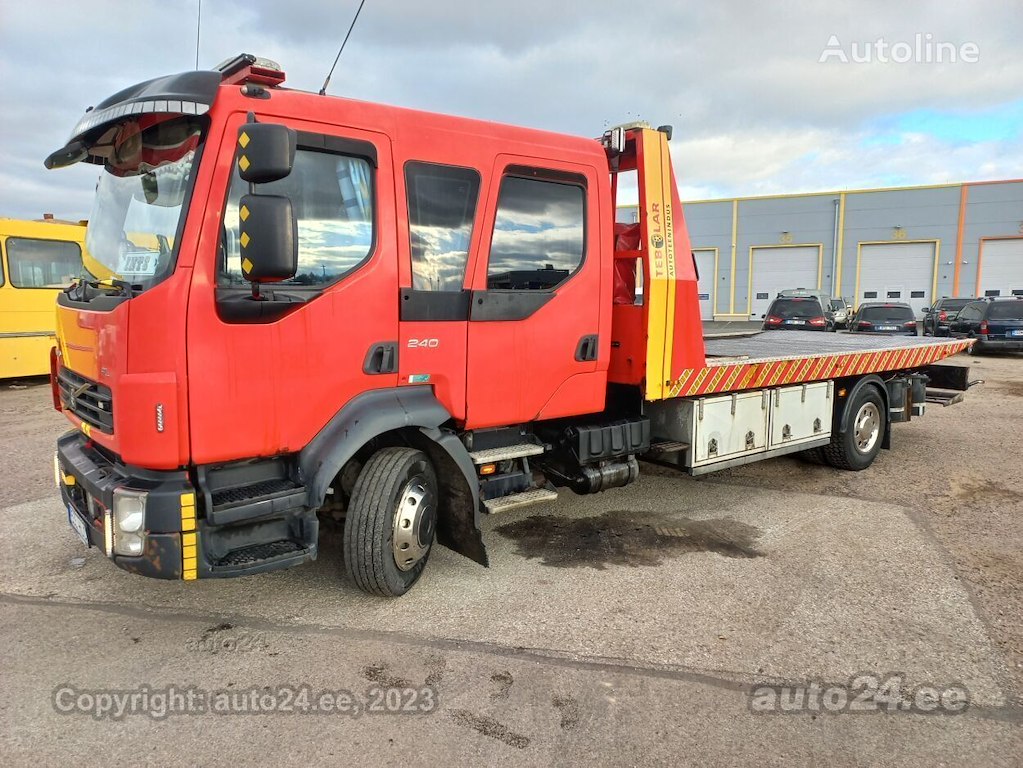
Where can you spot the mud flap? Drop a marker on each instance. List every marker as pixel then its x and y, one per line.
pixel 458 524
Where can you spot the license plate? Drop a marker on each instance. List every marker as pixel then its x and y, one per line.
pixel 887 327
pixel 795 322
pixel 1015 333
pixel 78 524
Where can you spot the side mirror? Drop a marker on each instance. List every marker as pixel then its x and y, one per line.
pixel 266 152
pixel 268 236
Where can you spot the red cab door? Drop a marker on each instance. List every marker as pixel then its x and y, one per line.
pixel 264 380
pixel 434 246
pixel 536 349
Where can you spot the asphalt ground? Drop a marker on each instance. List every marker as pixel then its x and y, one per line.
pixel 637 626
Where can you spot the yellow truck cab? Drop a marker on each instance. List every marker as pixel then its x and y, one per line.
pixel 38 259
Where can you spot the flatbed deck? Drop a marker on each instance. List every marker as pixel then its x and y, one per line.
pixel 777 358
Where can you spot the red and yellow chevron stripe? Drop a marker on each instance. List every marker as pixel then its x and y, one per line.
pixel 735 377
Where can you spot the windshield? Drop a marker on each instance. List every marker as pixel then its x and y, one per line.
pixel 894 314
pixel 796 308
pixel 140 198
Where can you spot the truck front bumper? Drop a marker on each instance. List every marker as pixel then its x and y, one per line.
pixel 173 542
pixel 88 479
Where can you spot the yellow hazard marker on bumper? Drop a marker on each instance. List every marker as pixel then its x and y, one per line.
pixel 189 538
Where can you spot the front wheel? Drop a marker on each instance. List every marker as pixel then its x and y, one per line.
pixel 391 521
pixel 859 445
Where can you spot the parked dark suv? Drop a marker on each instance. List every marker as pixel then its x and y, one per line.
pixel 803 313
pixel 996 324
pixel 893 318
pixel 941 313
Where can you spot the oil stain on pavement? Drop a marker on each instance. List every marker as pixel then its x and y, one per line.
pixel 626 538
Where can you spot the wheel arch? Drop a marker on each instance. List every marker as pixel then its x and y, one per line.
pixel 855 387
pixel 415 416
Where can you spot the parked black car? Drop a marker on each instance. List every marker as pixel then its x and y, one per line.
pixel 996 324
pixel 892 318
pixel 803 313
pixel 938 316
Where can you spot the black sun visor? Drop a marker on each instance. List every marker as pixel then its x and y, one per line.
pixel 190 93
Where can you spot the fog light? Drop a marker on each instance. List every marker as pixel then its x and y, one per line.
pixel 57 474
pixel 130 544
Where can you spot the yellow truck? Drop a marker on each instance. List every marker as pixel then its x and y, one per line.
pixel 39 258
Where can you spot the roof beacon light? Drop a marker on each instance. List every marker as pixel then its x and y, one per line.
pixel 246 68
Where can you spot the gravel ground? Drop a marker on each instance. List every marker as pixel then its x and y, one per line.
pixel 30 431
pixel 956 470
pixel 622 628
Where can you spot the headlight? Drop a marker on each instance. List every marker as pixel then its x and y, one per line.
pixel 129 520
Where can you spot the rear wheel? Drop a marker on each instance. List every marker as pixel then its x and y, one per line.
pixel 390 522
pixel 857 448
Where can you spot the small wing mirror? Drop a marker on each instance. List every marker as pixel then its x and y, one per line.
pixel 268 236
pixel 266 152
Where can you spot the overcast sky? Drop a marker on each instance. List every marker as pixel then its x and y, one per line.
pixel 755 109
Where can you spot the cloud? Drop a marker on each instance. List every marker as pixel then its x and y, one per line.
pixel 753 108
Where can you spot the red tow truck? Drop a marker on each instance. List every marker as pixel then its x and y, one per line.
pixel 319 308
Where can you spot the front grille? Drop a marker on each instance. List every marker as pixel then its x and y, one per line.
pixel 89 401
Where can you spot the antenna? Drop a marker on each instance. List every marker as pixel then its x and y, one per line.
pixel 323 90
pixel 198 28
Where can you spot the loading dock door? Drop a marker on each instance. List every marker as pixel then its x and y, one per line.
pixel 897 272
pixel 1001 268
pixel 780 268
pixel 705 268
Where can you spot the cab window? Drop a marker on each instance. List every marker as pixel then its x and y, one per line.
pixel 539 234
pixel 332 197
pixel 441 208
pixel 42 263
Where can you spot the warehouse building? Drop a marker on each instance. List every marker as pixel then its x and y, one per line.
pixel 911 244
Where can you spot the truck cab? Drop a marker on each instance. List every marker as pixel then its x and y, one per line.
pixel 293 284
